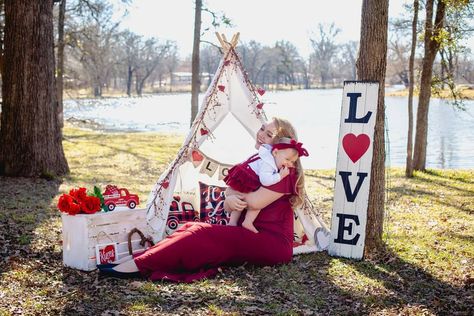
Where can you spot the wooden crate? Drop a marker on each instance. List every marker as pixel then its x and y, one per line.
pixel 81 234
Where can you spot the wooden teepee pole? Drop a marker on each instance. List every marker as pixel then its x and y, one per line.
pixel 226 45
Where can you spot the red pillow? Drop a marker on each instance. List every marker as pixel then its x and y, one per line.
pixel 212 204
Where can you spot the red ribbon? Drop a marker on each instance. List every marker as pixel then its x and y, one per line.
pixel 295 145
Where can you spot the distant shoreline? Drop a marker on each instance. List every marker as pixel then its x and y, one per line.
pixel 466 92
pixel 112 93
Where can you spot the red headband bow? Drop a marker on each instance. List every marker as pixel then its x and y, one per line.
pixel 292 144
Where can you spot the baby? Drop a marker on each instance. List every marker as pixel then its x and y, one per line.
pixel 266 168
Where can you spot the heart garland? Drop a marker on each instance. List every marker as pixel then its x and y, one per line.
pixel 196 158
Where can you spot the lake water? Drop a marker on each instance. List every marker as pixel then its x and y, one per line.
pixel 315 114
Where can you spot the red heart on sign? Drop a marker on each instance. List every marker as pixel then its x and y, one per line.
pixel 204 131
pixel 261 91
pixel 165 184
pixel 220 87
pixel 260 106
pixel 355 146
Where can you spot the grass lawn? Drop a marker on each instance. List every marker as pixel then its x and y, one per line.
pixel 427 270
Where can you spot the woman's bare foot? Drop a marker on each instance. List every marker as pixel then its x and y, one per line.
pixel 249 225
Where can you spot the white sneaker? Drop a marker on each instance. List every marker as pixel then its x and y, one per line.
pixel 321 238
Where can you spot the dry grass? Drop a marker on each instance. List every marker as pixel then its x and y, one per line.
pixel 465 92
pixel 427 269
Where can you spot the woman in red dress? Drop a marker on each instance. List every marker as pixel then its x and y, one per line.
pixel 196 250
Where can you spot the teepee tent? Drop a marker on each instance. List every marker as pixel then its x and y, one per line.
pixel 222 134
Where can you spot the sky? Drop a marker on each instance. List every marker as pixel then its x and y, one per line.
pixel 265 21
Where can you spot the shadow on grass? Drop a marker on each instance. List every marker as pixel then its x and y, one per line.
pixel 410 285
pixel 454 177
pixel 440 200
pixel 312 283
pixel 25 205
pixel 440 181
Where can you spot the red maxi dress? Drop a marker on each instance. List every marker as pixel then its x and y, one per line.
pixel 196 250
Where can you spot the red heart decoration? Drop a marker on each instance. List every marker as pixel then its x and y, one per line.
pixel 204 131
pixel 260 106
pixel 261 91
pixel 355 146
pixel 177 198
pixel 165 184
pixel 197 156
pixel 226 63
pixel 221 88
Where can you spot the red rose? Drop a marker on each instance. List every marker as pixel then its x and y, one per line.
pixel 64 203
pixel 78 194
pixel 74 209
pixel 90 205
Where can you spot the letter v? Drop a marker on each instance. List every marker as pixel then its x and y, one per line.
pixel 351 196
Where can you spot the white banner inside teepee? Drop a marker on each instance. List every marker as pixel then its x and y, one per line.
pixel 232 142
pixel 192 189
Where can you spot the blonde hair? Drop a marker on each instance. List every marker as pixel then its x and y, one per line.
pixel 285 129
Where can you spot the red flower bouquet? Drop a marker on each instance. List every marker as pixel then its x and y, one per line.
pixel 78 201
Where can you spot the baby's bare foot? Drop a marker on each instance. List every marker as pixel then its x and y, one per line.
pixel 250 227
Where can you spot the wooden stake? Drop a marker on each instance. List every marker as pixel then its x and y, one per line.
pixel 221 41
pixel 225 39
pixel 225 44
pixel 235 39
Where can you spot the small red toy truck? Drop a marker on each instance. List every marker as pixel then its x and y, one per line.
pixel 114 196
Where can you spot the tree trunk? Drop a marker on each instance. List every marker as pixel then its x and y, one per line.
pixel 60 67
pixel 2 40
pixel 443 68
pixel 97 91
pixel 195 79
pixel 431 49
pixel 138 87
pixel 324 76
pixel 411 85
pixel 129 80
pixel 371 65
pixel 30 134
pixel 171 81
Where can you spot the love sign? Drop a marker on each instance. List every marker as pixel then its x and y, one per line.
pixel 354 161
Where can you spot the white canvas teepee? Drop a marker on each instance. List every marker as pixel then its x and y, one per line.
pixel 191 188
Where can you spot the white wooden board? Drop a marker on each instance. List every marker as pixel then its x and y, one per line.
pixel 354 160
